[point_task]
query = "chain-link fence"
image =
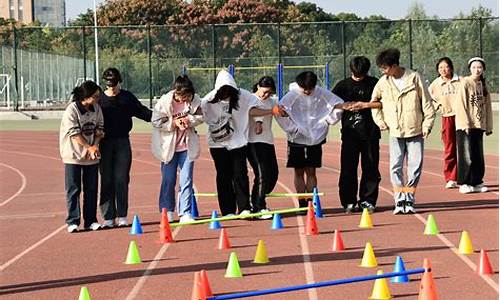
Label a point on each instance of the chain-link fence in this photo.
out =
(41, 65)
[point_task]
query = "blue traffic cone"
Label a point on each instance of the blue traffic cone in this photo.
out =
(194, 207)
(136, 226)
(277, 224)
(214, 224)
(399, 266)
(318, 212)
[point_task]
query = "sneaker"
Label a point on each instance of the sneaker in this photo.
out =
(349, 209)
(94, 226)
(466, 189)
(108, 224)
(72, 228)
(266, 216)
(480, 188)
(451, 184)
(399, 208)
(122, 222)
(409, 207)
(170, 216)
(245, 212)
(302, 203)
(229, 215)
(185, 218)
(367, 205)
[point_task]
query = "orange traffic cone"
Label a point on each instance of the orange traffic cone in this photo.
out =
(164, 218)
(484, 265)
(427, 286)
(311, 227)
(198, 292)
(165, 231)
(224, 240)
(205, 284)
(338, 243)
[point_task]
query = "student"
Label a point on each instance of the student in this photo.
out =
(473, 118)
(176, 144)
(408, 114)
(81, 129)
(118, 106)
(307, 111)
(445, 91)
(261, 152)
(227, 110)
(360, 137)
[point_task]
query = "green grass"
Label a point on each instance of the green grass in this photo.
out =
(433, 142)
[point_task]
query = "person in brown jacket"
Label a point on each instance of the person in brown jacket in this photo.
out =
(473, 118)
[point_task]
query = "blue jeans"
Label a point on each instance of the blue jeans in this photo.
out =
(168, 181)
(74, 176)
(413, 149)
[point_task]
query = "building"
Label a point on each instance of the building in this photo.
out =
(52, 12)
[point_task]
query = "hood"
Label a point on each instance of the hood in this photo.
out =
(294, 87)
(224, 78)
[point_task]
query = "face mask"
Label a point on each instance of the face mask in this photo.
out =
(112, 82)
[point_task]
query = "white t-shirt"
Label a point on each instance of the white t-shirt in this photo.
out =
(400, 82)
(267, 124)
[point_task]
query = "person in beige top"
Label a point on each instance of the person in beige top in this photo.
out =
(473, 118)
(445, 91)
(407, 112)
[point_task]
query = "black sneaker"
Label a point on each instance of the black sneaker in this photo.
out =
(399, 208)
(367, 205)
(349, 209)
(409, 207)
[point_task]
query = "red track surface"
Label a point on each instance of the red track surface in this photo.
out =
(39, 260)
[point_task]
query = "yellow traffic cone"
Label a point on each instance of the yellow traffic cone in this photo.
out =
(465, 246)
(369, 260)
(261, 254)
(380, 289)
(133, 254)
(366, 220)
(84, 294)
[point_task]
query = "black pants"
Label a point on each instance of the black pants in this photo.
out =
(232, 179)
(470, 157)
(74, 176)
(116, 160)
(262, 158)
(351, 150)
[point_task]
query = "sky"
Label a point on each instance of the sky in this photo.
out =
(392, 9)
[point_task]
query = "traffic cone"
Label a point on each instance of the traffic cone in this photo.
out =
(224, 240)
(261, 254)
(484, 265)
(465, 246)
(338, 243)
(164, 219)
(277, 223)
(399, 266)
(205, 284)
(136, 226)
(369, 260)
(84, 294)
(311, 227)
(380, 289)
(427, 286)
(233, 267)
(366, 220)
(431, 226)
(317, 204)
(165, 231)
(194, 207)
(214, 224)
(133, 254)
(197, 293)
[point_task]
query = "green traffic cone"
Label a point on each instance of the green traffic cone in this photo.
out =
(233, 267)
(431, 227)
(84, 294)
(133, 254)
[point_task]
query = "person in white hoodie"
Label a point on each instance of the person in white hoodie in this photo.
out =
(227, 110)
(307, 111)
(176, 144)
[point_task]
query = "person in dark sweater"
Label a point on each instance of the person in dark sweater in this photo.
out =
(118, 106)
(360, 136)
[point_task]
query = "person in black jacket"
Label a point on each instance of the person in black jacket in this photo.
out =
(118, 106)
(360, 136)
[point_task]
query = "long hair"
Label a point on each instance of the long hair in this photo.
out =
(483, 81)
(183, 85)
(227, 91)
(265, 81)
(84, 90)
(448, 61)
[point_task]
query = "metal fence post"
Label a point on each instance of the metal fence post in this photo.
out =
(480, 36)
(344, 57)
(214, 52)
(16, 106)
(410, 37)
(150, 67)
(84, 47)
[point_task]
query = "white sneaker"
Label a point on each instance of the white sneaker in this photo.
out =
(244, 212)
(466, 189)
(122, 222)
(170, 216)
(480, 188)
(94, 226)
(229, 215)
(399, 208)
(72, 228)
(451, 184)
(108, 224)
(266, 216)
(186, 218)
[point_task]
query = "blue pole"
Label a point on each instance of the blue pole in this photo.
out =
(231, 70)
(327, 76)
(315, 285)
(280, 82)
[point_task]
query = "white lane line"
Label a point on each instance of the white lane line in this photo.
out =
(152, 265)
(31, 154)
(17, 257)
(23, 183)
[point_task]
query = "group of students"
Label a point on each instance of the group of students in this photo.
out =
(240, 129)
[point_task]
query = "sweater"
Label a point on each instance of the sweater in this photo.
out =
(473, 108)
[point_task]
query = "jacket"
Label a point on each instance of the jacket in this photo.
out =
(473, 109)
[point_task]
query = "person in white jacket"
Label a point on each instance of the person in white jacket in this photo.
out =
(176, 144)
(307, 111)
(227, 110)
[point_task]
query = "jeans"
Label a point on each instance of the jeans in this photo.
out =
(168, 181)
(470, 157)
(412, 149)
(116, 160)
(74, 176)
(262, 158)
